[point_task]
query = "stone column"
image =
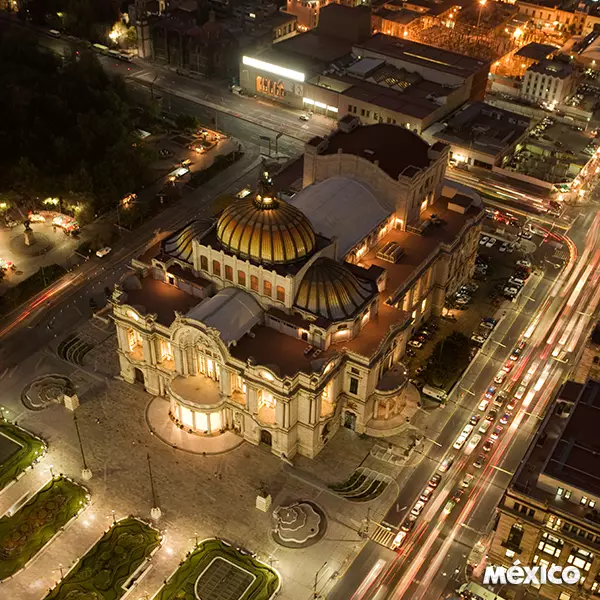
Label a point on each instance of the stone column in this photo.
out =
(147, 349)
(225, 383)
(178, 359)
(279, 413)
(252, 399)
(122, 338)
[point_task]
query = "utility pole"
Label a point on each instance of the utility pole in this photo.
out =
(276, 138)
(155, 511)
(86, 473)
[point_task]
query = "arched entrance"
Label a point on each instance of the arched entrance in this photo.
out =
(350, 420)
(139, 376)
(266, 438)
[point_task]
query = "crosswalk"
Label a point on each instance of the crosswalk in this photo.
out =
(382, 535)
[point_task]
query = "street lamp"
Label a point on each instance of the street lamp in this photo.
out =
(86, 473)
(155, 511)
(481, 5)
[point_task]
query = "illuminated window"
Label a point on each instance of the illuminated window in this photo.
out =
(216, 267)
(267, 288)
(241, 278)
(559, 492)
(550, 545)
(280, 293)
(204, 263)
(584, 500)
(424, 305)
(580, 558)
(228, 273)
(135, 339)
(166, 350)
(254, 283)
(510, 553)
(515, 536)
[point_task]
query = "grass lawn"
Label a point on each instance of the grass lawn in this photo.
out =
(18, 450)
(103, 571)
(216, 571)
(25, 533)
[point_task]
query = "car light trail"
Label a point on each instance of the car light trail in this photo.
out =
(369, 580)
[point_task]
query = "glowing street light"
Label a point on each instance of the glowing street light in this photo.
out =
(482, 3)
(518, 32)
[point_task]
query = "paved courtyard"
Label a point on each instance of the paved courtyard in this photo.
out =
(200, 496)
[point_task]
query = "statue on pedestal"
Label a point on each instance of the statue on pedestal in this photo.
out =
(28, 233)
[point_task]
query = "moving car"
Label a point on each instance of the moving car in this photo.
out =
(487, 446)
(505, 418)
(491, 392)
(517, 351)
(435, 480)
(483, 405)
(491, 416)
(415, 344)
(304, 117)
(520, 392)
(485, 426)
(417, 509)
(473, 442)
(511, 404)
(458, 496)
(500, 377)
(103, 251)
(449, 506)
(497, 432)
(468, 480)
(475, 419)
(508, 365)
(479, 461)
(526, 235)
(446, 464)
(426, 495)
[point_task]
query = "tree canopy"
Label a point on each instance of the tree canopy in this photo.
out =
(66, 126)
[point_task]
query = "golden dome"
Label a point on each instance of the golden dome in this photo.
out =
(266, 230)
(330, 290)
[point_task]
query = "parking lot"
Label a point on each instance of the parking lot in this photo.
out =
(502, 269)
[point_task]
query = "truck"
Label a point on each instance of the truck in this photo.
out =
(435, 393)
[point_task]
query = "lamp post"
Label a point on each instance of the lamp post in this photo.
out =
(315, 593)
(86, 473)
(155, 511)
(481, 5)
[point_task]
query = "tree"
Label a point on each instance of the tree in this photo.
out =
(187, 122)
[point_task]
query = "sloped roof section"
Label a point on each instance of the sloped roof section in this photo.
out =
(232, 311)
(341, 207)
(180, 244)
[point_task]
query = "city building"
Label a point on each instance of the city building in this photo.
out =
(569, 18)
(308, 11)
(283, 320)
(588, 364)
(480, 134)
(548, 514)
(549, 82)
(378, 78)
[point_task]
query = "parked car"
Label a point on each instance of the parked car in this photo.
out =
(491, 242)
(504, 247)
(517, 351)
(487, 324)
(426, 495)
(408, 525)
(417, 509)
(524, 263)
(510, 291)
(484, 240)
(516, 281)
(304, 117)
(478, 339)
(526, 235)
(415, 344)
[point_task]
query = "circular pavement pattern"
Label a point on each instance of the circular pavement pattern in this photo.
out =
(46, 390)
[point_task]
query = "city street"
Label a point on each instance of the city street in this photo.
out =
(432, 559)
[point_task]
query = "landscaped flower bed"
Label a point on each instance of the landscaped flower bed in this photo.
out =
(215, 571)
(25, 533)
(18, 450)
(103, 571)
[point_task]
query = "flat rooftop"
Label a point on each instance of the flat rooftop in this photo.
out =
(423, 55)
(484, 128)
(396, 148)
(417, 98)
(417, 247)
(159, 298)
(310, 46)
(566, 449)
(536, 51)
(552, 68)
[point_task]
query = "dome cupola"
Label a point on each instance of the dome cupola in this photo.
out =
(266, 230)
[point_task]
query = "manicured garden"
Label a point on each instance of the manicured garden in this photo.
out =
(363, 485)
(217, 571)
(18, 450)
(103, 571)
(25, 533)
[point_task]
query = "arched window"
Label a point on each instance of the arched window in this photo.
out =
(216, 267)
(267, 288)
(228, 273)
(254, 283)
(280, 293)
(241, 278)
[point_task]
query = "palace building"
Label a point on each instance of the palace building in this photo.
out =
(282, 320)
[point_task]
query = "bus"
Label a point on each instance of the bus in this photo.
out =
(100, 49)
(435, 393)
